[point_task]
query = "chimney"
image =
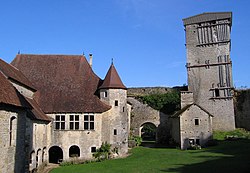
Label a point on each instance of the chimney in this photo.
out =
(90, 59)
(186, 98)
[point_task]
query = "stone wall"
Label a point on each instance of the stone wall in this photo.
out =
(12, 140)
(147, 90)
(142, 113)
(242, 109)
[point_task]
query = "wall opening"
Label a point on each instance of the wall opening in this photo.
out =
(74, 151)
(55, 154)
(148, 132)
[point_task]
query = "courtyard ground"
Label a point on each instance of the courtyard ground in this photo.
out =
(228, 156)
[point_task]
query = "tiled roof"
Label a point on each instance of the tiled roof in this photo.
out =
(14, 74)
(65, 83)
(35, 112)
(112, 80)
(205, 17)
(179, 113)
(8, 94)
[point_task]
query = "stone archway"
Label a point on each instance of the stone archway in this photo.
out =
(148, 132)
(74, 151)
(55, 154)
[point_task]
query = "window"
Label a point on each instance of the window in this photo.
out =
(197, 141)
(196, 121)
(93, 149)
(115, 131)
(217, 92)
(123, 109)
(89, 122)
(105, 94)
(74, 122)
(12, 131)
(116, 102)
(60, 122)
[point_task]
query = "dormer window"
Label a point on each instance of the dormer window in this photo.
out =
(105, 94)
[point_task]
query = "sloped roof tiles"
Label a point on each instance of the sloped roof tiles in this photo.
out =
(65, 83)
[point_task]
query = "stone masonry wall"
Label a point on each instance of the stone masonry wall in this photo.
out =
(242, 109)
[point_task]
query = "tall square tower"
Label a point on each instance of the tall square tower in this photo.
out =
(209, 65)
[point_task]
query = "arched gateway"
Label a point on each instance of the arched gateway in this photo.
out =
(55, 154)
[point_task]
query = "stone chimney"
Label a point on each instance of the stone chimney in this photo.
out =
(187, 98)
(90, 60)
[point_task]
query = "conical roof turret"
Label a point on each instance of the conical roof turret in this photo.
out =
(112, 80)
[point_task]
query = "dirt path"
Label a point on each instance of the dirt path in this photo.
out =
(49, 167)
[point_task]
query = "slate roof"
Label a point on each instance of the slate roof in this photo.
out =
(112, 80)
(14, 74)
(205, 17)
(180, 112)
(8, 94)
(65, 83)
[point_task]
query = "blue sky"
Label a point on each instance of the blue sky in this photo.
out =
(144, 37)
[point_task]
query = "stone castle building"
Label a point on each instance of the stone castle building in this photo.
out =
(54, 108)
(209, 69)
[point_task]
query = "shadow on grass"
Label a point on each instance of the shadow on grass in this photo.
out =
(228, 157)
(153, 144)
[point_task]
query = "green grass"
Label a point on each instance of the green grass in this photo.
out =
(228, 156)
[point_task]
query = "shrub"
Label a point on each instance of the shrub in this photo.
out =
(137, 139)
(103, 153)
(232, 135)
(194, 147)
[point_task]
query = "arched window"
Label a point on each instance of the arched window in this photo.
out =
(74, 151)
(12, 132)
(55, 154)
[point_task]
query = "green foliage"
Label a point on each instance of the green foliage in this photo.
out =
(137, 139)
(235, 134)
(167, 103)
(103, 153)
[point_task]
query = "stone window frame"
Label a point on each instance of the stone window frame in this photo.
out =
(105, 94)
(74, 122)
(93, 149)
(116, 103)
(12, 130)
(60, 121)
(115, 132)
(196, 121)
(89, 121)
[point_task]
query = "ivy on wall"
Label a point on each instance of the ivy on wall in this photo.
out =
(167, 103)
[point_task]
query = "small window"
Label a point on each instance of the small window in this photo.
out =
(196, 121)
(115, 131)
(93, 149)
(105, 94)
(116, 102)
(123, 109)
(217, 92)
(197, 141)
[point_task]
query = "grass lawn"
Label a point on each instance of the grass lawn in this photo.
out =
(228, 157)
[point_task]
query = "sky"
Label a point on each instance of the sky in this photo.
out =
(145, 38)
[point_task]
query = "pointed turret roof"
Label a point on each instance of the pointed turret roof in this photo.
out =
(112, 80)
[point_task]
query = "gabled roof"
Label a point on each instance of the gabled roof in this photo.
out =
(8, 94)
(65, 83)
(14, 74)
(205, 17)
(180, 112)
(112, 80)
(35, 112)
